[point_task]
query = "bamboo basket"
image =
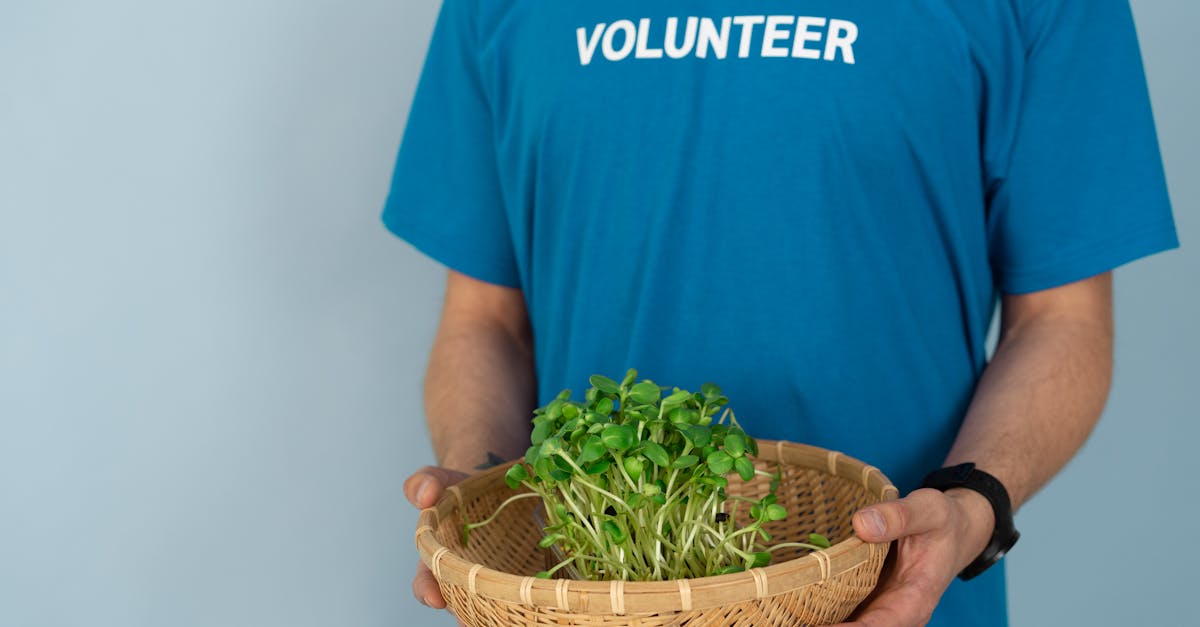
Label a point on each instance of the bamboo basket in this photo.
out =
(490, 582)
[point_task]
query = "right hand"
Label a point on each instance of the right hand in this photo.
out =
(423, 489)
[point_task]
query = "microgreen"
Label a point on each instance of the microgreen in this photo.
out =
(633, 481)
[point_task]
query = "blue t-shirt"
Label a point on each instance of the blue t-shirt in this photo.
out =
(814, 204)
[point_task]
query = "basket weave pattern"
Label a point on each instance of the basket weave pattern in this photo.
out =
(491, 583)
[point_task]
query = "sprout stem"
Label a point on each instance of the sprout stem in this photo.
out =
(523, 495)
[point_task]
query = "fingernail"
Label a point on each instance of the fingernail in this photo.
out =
(425, 601)
(421, 494)
(874, 523)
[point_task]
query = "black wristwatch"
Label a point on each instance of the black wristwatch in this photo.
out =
(1004, 534)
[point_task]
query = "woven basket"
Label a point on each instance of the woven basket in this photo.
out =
(491, 583)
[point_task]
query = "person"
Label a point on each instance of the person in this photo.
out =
(818, 206)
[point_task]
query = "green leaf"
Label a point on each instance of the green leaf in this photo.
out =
(710, 391)
(630, 377)
(604, 384)
(633, 466)
(719, 462)
(614, 532)
(515, 476)
(563, 464)
(558, 474)
(656, 453)
(597, 467)
(604, 406)
(685, 461)
(532, 453)
(699, 436)
(735, 443)
(684, 416)
(570, 411)
(592, 449)
(744, 467)
(752, 446)
(640, 414)
(817, 539)
(659, 499)
(541, 431)
(551, 446)
(564, 395)
(618, 437)
(645, 392)
(776, 512)
(728, 570)
(675, 401)
(543, 467)
(678, 397)
(756, 512)
(761, 558)
(634, 500)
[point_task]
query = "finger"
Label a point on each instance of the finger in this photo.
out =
(425, 486)
(425, 588)
(922, 511)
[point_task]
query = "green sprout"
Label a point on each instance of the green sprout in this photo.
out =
(633, 484)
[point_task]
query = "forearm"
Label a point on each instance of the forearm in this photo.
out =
(1035, 405)
(1038, 400)
(479, 393)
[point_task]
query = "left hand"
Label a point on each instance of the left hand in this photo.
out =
(937, 535)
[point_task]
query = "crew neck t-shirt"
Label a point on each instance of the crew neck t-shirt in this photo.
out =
(814, 204)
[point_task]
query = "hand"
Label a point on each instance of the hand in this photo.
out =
(423, 489)
(937, 535)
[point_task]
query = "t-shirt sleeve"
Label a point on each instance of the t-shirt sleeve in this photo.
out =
(1084, 189)
(445, 197)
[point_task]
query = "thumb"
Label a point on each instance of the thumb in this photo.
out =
(425, 486)
(920, 512)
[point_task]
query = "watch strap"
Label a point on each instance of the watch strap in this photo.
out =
(1004, 532)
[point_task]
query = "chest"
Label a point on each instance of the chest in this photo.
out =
(564, 76)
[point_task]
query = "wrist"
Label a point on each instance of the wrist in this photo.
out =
(475, 460)
(976, 523)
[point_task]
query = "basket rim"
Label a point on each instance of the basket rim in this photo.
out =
(622, 597)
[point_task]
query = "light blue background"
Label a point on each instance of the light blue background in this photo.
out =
(211, 351)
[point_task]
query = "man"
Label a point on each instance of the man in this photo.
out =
(816, 205)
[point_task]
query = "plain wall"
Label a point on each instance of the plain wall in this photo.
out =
(211, 351)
